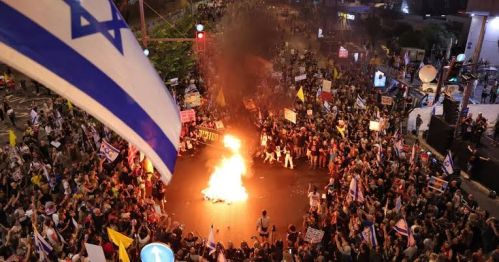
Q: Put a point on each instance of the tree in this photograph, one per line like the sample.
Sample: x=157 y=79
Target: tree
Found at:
x=173 y=59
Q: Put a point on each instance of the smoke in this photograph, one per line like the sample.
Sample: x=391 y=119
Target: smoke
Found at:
x=240 y=58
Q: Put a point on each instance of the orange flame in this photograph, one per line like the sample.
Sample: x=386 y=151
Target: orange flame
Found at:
x=226 y=181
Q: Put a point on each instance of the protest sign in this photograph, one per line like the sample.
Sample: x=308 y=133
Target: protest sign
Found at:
x=314 y=235
x=249 y=104
x=173 y=81
x=386 y=100
x=208 y=134
x=277 y=75
x=290 y=115
x=95 y=253
x=343 y=53
x=310 y=112
x=219 y=124
x=187 y=116
x=192 y=99
x=300 y=77
x=437 y=184
x=55 y=144
x=374 y=125
x=302 y=69
x=326 y=86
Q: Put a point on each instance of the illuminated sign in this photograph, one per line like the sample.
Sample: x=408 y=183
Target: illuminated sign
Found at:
x=346 y=16
x=343 y=53
x=156 y=252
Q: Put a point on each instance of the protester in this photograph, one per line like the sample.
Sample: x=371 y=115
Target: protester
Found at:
x=381 y=202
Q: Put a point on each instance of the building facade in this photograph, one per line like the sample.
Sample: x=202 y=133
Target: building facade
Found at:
x=483 y=37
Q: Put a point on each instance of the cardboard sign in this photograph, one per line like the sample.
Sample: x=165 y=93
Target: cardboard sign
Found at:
x=219 y=124
x=437 y=184
x=173 y=81
x=326 y=86
x=313 y=235
x=187 y=116
x=386 y=100
x=310 y=112
x=290 y=115
x=95 y=253
x=208 y=134
x=343 y=53
x=192 y=99
x=374 y=125
x=300 y=77
x=277 y=75
x=249 y=104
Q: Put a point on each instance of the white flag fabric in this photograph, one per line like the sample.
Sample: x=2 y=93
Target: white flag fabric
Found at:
x=407 y=60
x=403 y=228
x=369 y=236
x=211 y=245
x=109 y=151
x=84 y=51
x=398 y=204
x=448 y=164
x=43 y=248
x=361 y=103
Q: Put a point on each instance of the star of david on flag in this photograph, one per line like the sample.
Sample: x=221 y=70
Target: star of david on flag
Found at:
x=108 y=151
x=85 y=52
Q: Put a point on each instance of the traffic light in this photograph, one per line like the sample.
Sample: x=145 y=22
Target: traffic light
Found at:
x=200 y=38
x=454 y=71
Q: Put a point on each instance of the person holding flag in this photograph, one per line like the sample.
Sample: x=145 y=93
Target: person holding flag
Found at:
x=115 y=82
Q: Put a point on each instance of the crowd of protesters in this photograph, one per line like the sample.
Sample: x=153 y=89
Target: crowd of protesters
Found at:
x=335 y=134
x=54 y=182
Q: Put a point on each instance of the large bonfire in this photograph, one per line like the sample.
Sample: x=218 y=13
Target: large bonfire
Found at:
x=226 y=181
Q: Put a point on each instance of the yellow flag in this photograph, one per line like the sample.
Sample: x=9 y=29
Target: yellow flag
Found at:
x=148 y=167
x=300 y=94
x=221 y=98
x=70 y=106
x=336 y=74
x=122 y=254
x=121 y=241
x=12 y=138
x=341 y=130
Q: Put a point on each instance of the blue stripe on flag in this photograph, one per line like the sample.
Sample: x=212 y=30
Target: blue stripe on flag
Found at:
x=31 y=40
x=400 y=230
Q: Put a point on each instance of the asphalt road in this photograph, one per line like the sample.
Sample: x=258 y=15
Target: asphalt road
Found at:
x=282 y=192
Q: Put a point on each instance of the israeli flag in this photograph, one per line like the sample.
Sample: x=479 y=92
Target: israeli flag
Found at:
x=84 y=51
x=448 y=164
x=369 y=236
x=354 y=192
x=210 y=244
x=43 y=248
x=109 y=151
x=361 y=103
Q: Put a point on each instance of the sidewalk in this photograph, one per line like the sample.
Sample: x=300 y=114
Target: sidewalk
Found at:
x=479 y=191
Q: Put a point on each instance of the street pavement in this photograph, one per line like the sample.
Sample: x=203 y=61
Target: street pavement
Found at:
x=282 y=192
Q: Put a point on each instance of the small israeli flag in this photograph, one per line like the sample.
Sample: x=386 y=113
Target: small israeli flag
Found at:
x=109 y=151
x=448 y=164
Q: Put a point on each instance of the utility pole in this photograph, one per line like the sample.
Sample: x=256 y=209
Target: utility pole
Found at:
x=143 y=23
x=478 y=47
x=464 y=104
